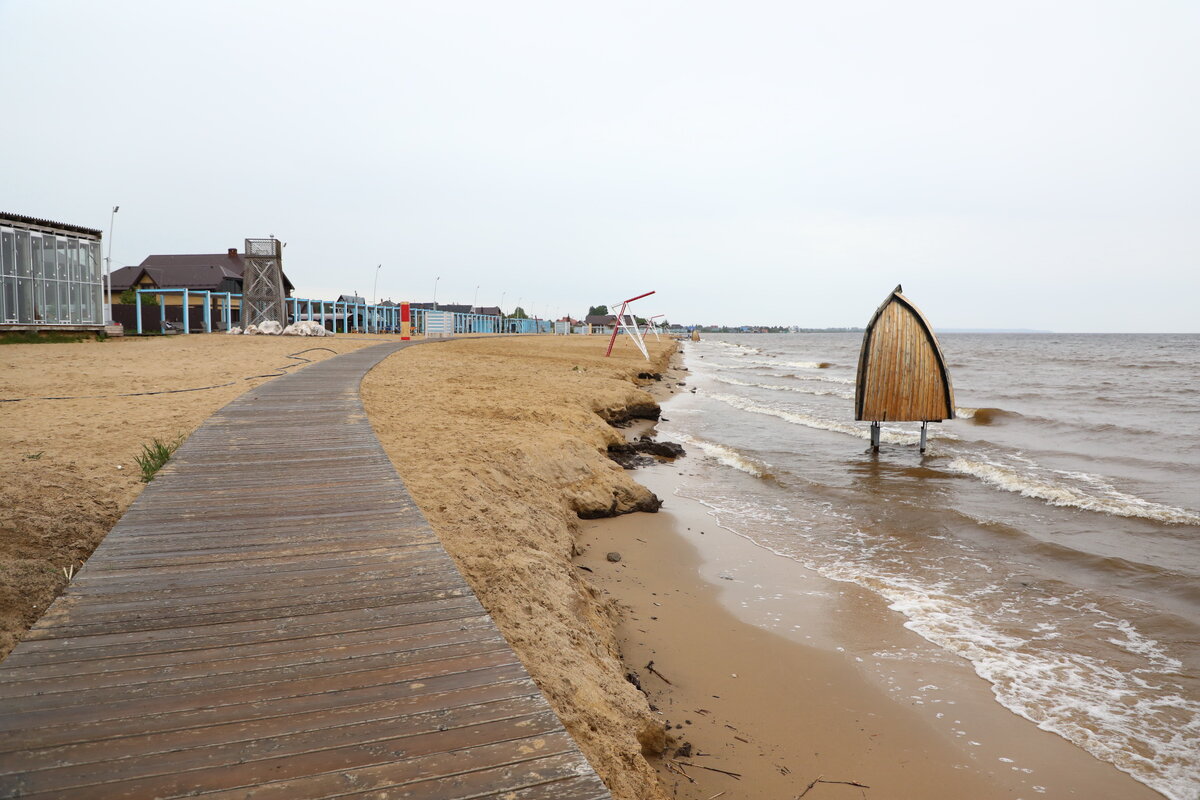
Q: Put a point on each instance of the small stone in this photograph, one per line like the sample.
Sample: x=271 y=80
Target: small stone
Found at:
x=614 y=557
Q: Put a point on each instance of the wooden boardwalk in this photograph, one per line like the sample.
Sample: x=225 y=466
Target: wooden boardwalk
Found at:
x=274 y=618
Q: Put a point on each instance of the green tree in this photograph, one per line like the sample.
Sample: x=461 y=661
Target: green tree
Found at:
x=519 y=313
x=598 y=311
x=129 y=297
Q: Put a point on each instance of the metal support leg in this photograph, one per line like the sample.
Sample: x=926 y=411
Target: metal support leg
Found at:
x=923 y=427
x=875 y=436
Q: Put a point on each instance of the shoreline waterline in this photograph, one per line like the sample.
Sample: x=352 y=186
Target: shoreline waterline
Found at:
x=1078 y=617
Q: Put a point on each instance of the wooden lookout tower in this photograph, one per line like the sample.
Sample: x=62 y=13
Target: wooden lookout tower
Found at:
x=902 y=375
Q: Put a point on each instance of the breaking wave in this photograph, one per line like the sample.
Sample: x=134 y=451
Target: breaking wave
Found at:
x=796 y=364
x=891 y=435
x=983 y=416
x=777 y=388
x=732 y=458
x=1073 y=489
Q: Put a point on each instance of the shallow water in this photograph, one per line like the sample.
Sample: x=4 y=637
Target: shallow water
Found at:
x=1050 y=535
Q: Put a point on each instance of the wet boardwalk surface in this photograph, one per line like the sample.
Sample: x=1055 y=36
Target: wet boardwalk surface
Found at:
x=274 y=618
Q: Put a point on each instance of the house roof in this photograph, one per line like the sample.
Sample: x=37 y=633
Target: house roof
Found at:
x=196 y=270
x=204 y=277
x=600 y=319
x=46 y=223
x=491 y=311
x=352 y=298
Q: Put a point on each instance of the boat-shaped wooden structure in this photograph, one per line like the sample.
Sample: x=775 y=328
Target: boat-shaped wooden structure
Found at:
x=902 y=375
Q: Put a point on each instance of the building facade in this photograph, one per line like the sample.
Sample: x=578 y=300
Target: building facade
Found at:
x=50 y=274
x=216 y=272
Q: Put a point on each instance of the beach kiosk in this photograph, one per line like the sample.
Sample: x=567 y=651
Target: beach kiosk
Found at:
x=902 y=375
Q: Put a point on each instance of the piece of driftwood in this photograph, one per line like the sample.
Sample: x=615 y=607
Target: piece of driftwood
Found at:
x=819 y=779
x=735 y=775
x=653 y=671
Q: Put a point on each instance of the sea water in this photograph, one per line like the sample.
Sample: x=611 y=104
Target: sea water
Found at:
x=1050 y=534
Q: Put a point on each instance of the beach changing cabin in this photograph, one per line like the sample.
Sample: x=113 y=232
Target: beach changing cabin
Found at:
x=902 y=375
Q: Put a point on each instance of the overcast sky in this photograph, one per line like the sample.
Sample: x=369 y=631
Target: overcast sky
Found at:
x=1013 y=164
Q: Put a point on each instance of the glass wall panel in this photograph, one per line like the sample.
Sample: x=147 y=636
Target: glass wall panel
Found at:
x=76 y=289
x=50 y=271
x=24 y=279
x=8 y=279
x=8 y=259
x=39 y=286
x=64 y=276
x=87 y=288
x=35 y=254
x=98 y=287
x=73 y=259
x=60 y=247
x=73 y=286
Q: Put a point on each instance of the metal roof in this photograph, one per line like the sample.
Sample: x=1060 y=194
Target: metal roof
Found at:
x=21 y=219
x=203 y=277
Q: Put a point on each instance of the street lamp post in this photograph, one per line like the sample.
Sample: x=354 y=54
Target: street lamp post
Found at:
x=435 y=283
x=475 y=304
x=108 y=317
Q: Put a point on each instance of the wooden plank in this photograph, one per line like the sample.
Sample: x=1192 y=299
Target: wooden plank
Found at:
x=203 y=767
x=54 y=731
x=277 y=617
x=73 y=648
x=388 y=651
x=504 y=700
x=119 y=660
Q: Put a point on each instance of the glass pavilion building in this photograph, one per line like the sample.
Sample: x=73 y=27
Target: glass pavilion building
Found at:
x=50 y=274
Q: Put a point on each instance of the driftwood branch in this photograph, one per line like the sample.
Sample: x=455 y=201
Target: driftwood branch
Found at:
x=736 y=775
x=673 y=766
x=653 y=671
x=820 y=779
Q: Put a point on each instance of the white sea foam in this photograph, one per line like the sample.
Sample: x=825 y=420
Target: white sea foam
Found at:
x=730 y=457
x=890 y=435
x=792 y=376
x=1061 y=488
x=777 y=388
x=775 y=362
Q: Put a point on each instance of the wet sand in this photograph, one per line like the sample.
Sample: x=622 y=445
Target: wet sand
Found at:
x=766 y=667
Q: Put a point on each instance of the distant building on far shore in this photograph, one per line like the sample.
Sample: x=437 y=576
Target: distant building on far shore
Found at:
x=50 y=275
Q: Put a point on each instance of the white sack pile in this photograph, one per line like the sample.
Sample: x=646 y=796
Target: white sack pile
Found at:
x=268 y=328
x=306 y=327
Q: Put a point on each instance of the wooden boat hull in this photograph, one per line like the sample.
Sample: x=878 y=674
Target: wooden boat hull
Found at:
x=902 y=375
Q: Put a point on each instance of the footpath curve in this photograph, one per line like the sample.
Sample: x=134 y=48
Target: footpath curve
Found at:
x=274 y=618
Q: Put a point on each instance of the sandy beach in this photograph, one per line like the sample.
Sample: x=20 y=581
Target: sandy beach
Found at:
x=503 y=443
x=68 y=464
